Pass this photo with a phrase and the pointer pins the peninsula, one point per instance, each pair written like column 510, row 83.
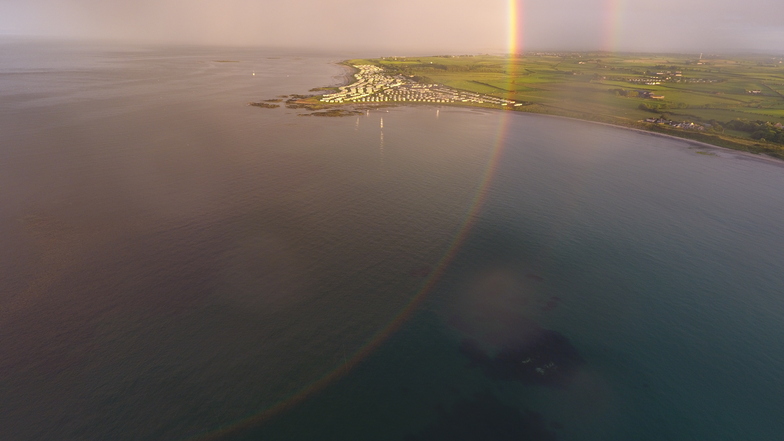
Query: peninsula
column 735, row 102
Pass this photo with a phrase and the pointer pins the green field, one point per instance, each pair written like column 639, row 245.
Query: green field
column 612, row 88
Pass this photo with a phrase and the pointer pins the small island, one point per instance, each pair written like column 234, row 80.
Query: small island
column 733, row 102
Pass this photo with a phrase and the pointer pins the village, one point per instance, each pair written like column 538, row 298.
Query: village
column 373, row 85
column 652, row 79
column 686, row 125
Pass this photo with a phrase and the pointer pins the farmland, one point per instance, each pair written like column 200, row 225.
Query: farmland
column 689, row 96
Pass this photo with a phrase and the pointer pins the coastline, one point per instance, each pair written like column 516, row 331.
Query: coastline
column 348, row 78
column 348, row 75
column 750, row 155
column 316, row 105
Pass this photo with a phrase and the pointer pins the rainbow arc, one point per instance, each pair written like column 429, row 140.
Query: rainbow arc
column 515, row 47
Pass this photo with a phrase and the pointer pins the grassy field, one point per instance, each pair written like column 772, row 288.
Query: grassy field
column 626, row 89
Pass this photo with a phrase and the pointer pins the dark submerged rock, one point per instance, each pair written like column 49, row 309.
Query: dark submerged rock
column 547, row 358
column 551, row 304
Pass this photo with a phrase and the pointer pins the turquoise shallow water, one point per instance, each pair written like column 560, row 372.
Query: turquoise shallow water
column 175, row 262
column 666, row 267
column 667, row 263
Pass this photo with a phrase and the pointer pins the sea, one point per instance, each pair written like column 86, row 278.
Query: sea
column 178, row 265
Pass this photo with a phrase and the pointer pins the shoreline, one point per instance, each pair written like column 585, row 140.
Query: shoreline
column 694, row 143
column 348, row 79
column 750, row 155
column 348, row 75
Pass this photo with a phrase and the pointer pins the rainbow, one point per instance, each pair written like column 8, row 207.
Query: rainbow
column 376, row 340
column 613, row 13
column 514, row 26
column 515, row 45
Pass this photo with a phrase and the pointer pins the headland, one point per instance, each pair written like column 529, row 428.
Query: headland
column 733, row 102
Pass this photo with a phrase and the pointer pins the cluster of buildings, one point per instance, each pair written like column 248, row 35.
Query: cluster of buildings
column 680, row 125
column 372, row 85
column 649, row 94
column 653, row 79
column 370, row 81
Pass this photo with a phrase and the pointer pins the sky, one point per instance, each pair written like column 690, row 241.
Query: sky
column 399, row 27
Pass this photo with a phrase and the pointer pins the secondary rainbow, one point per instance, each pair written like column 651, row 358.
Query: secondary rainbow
column 613, row 13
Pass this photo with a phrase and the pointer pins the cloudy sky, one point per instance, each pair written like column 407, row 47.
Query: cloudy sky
column 399, row 26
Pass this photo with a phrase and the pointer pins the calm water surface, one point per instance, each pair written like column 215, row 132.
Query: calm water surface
column 178, row 265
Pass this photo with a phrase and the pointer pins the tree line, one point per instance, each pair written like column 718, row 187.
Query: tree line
column 761, row 130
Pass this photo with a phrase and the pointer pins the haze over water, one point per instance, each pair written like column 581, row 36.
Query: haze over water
column 174, row 261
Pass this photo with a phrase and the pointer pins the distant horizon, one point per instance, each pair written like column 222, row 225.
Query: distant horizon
column 377, row 52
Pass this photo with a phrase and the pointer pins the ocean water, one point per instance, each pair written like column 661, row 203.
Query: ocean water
column 176, row 264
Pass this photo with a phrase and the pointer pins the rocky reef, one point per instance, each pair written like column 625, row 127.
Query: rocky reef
column 546, row 358
column 265, row 105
